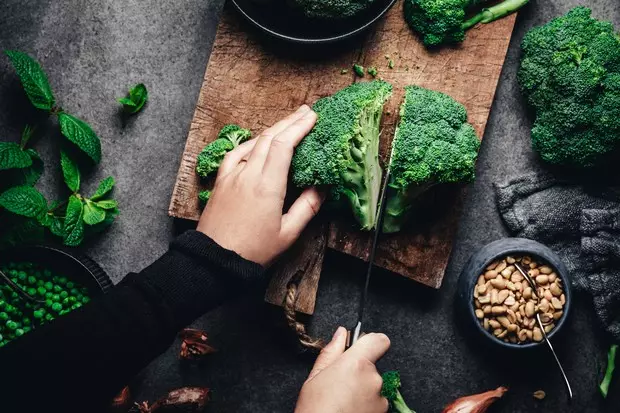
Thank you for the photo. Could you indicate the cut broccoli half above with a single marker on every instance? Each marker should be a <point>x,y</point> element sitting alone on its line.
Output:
<point>391,391</point>
<point>433,144</point>
<point>229,137</point>
<point>342,150</point>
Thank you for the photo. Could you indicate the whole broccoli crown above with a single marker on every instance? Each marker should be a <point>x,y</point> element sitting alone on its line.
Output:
<point>333,148</point>
<point>234,133</point>
<point>209,160</point>
<point>433,142</point>
<point>332,9</point>
<point>391,384</point>
<point>438,21</point>
<point>570,75</point>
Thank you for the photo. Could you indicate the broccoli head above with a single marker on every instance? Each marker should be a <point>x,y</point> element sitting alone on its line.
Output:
<point>570,76</point>
<point>391,391</point>
<point>433,144</point>
<point>445,21</point>
<point>229,137</point>
<point>331,9</point>
<point>342,150</point>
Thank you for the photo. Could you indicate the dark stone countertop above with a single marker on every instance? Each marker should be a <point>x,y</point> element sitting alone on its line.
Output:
<point>93,50</point>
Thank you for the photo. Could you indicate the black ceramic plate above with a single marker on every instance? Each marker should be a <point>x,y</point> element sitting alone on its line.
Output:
<point>282,21</point>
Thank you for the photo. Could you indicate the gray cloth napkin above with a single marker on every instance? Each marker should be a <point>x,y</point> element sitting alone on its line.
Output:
<point>580,224</point>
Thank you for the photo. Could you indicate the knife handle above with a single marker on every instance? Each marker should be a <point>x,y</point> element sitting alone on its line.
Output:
<point>354,334</point>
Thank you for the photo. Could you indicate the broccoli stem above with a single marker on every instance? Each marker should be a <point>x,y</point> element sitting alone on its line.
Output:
<point>611,366</point>
<point>399,405</point>
<point>398,207</point>
<point>490,14</point>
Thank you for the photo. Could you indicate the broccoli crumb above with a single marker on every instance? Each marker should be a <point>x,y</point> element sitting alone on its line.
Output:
<point>372,71</point>
<point>406,68</point>
<point>391,64</point>
<point>387,56</point>
<point>344,71</point>
<point>359,70</point>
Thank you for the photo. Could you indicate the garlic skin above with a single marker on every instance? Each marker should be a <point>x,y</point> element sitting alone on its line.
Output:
<point>476,403</point>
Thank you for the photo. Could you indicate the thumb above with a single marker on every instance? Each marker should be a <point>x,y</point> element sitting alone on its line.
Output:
<point>330,353</point>
<point>370,347</point>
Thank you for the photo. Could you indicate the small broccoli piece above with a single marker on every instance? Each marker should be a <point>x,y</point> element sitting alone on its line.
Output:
<point>391,391</point>
<point>344,71</point>
<point>359,70</point>
<point>203,196</point>
<point>609,371</point>
<point>391,64</point>
<point>433,144</point>
<point>229,137</point>
<point>331,9</point>
<point>372,71</point>
<point>444,21</point>
<point>342,150</point>
<point>570,76</point>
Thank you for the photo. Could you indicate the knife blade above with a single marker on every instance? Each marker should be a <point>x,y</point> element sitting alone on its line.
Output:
<point>355,333</point>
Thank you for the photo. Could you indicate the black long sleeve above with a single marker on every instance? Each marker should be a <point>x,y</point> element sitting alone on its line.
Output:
<point>81,360</point>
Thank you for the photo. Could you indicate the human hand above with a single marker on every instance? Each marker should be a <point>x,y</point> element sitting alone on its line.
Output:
<point>245,214</point>
<point>346,382</point>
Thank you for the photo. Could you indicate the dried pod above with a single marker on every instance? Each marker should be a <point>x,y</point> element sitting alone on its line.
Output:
<point>194,345</point>
<point>477,403</point>
<point>185,399</point>
<point>121,402</point>
<point>539,394</point>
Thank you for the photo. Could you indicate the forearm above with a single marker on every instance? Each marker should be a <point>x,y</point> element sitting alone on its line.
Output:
<point>82,359</point>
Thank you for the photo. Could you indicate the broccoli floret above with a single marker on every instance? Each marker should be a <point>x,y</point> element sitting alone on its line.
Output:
<point>570,76</point>
<point>359,70</point>
<point>229,137</point>
<point>433,145</point>
<point>391,391</point>
<point>444,21</point>
<point>343,148</point>
<point>203,196</point>
<point>372,71</point>
<point>331,9</point>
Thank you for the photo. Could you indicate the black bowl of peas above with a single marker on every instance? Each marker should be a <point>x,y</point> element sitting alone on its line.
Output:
<point>40,283</point>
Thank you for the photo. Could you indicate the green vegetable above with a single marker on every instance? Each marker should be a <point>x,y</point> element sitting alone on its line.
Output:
<point>444,21</point>
<point>342,150</point>
<point>81,134</point>
<point>609,372</point>
<point>359,70</point>
<point>138,95</point>
<point>433,145</point>
<point>34,80</point>
<point>570,75</point>
<point>25,201</point>
<point>74,224</point>
<point>372,71</point>
<point>391,64</point>
<point>229,137</point>
<point>391,391</point>
<point>13,156</point>
<point>70,172</point>
<point>203,196</point>
<point>331,9</point>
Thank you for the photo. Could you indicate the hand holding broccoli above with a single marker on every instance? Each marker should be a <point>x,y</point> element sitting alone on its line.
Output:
<point>245,213</point>
<point>346,382</point>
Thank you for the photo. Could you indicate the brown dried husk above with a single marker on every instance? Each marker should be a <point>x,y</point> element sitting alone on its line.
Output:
<point>185,399</point>
<point>476,403</point>
<point>194,344</point>
<point>122,401</point>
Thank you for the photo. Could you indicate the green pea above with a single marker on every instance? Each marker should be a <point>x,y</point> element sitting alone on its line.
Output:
<point>49,302</point>
<point>10,309</point>
<point>62,280</point>
<point>32,280</point>
<point>74,291</point>
<point>47,273</point>
<point>56,307</point>
<point>41,291</point>
<point>49,317</point>
<point>37,314</point>
<point>64,294</point>
<point>22,276</point>
<point>11,325</point>
<point>85,300</point>
<point>48,285</point>
<point>2,304</point>
<point>19,332</point>
<point>72,299</point>
<point>57,288</point>
<point>25,321</point>
<point>32,291</point>
<point>48,295</point>
<point>70,284</point>
<point>55,297</point>
<point>4,316</point>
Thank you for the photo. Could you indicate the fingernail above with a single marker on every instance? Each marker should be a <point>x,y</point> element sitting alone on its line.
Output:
<point>339,332</point>
<point>303,109</point>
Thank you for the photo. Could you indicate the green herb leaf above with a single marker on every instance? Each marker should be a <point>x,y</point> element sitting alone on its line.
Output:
<point>25,201</point>
<point>31,175</point>
<point>609,372</point>
<point>110,216</point>
<point>107,204</point>
<point>138,96</point>
<point>80,133</point>
<point>104,188</point>
<point>70,172</point>
<point>74,224</point>
<point>56,225</point>
<point>33,80</point>
<point>26,135</point>
<point>22,230</point>
<point>93,214</point>
<point>13,156</point>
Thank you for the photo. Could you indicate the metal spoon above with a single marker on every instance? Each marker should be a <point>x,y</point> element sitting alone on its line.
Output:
<point>542,329</point>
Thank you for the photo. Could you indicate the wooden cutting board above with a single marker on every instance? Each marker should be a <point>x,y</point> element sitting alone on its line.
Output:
<point>253,83</point>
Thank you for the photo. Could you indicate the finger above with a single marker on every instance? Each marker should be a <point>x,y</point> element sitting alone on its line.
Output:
<point>330,353</point>
<point>259,154</point>
<point>370,347</point>
<point>278,161</point>
<point>232,158</point>
<point>300,213</point>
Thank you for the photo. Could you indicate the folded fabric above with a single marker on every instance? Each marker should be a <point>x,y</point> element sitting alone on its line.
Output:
<point>580,224</point>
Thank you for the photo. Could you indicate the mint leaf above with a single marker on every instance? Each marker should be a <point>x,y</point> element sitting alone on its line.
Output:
<point>33,80</point>
<point>104,188</point>
<point>93,214</point>
<point>22,230</point>
<point>56,225</point>
<point>26,135</point>
<point>74,224</point>
<point>80,133</point>
<point>31,175</point>
<point>25,201</point>
<point>138,96</point>
<point>70,172</point>
<point>107,204</point>
<point>110,215</point>
<point>13,156</point>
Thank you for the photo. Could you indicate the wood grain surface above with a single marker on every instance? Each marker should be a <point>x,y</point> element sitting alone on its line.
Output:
<point>254,83</point>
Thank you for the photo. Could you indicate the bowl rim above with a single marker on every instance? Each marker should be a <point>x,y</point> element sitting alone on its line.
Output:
<point>523,249</point>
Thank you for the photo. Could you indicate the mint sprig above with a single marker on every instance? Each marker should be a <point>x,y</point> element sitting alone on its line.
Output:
<point>34,80</point>
<point>138,96</point>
